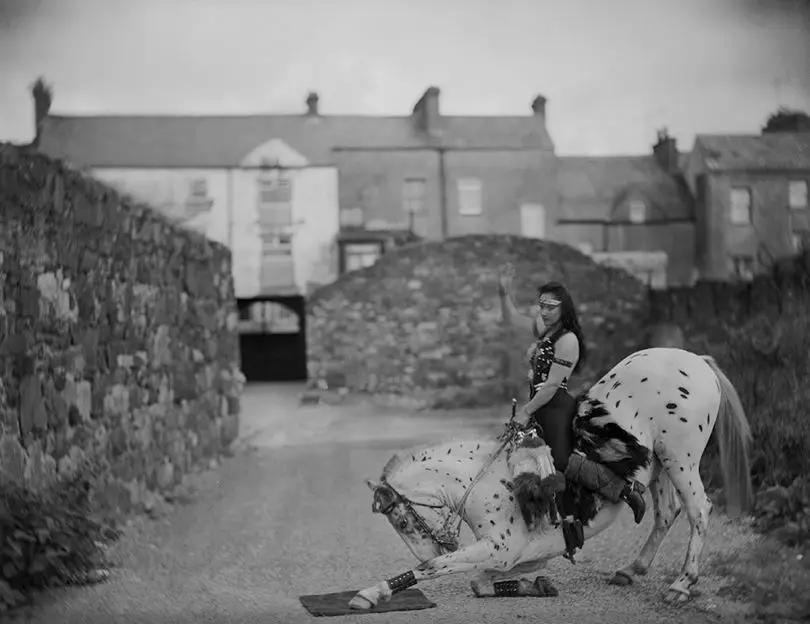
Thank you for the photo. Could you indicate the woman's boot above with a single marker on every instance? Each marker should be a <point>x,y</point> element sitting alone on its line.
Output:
<point>603,480</point>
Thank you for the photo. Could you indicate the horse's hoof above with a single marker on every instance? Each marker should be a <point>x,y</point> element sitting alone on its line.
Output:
<point>675,596</point>
<point>479,591</point>
<point>360,602</point>
<point>544,586</point>
<point>621,578</point>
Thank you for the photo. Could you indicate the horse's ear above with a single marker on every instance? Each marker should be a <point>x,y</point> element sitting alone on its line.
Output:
<point>372,485</point>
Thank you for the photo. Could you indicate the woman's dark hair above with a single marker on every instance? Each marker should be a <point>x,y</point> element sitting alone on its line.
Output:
<point>568,316</point>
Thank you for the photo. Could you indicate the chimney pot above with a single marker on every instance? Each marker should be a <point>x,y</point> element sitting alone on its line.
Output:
<point>42,93</point>
<point>426,113</point>
<point>312,103</point>
<point>539,106</point>
<point>666,152</point>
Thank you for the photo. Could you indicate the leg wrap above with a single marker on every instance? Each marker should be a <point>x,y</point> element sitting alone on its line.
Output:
<point>506,588</point>
<point>403,581</point>
<point>596,477</point>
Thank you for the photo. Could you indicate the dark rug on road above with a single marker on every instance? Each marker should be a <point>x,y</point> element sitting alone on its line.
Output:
<point>338,603</point>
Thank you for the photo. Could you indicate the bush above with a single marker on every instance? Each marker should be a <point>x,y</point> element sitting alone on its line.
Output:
<point>48,539</point>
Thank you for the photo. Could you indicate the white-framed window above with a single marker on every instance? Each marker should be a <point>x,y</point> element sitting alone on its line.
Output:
<point>533,220</point>
<point>413,195</point>
<point>743,267</point>
<point>469,196</point>
<point>276,242</point>
<point>360,255</point>
<point>198,188</point>
<point>637,210</point>
<point>797,194</point>
<point>740,206</point>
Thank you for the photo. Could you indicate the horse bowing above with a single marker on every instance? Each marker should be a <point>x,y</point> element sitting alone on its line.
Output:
<point>666,401</point>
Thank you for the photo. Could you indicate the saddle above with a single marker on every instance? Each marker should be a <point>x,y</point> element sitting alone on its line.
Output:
<point>544,491</point>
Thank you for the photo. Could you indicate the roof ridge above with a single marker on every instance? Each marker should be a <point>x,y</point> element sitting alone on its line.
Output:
<point>303,116</point>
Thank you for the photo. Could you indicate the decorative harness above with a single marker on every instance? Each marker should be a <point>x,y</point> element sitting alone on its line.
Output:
<point>386,497</point>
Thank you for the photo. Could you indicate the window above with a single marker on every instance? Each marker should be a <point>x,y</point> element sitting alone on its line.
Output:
<point>638,211</point>
<point>743,267</point>
<point>469,196</point>
<point>276,242</point>
<point>533,220</point>
<point>740,209</point>
<point>797,194</point>
<point>413,195</point>
<point>198,188</point>
<point>360,255</point>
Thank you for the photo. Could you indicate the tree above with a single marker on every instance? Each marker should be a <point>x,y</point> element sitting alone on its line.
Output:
<point>787,120</point>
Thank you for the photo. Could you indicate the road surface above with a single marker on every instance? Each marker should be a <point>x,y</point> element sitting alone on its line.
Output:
<point>290,515</point>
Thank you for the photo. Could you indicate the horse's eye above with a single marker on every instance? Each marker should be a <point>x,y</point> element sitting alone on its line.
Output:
<point>403,524</point>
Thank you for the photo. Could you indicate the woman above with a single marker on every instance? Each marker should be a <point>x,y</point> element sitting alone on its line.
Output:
<point>559,351</point>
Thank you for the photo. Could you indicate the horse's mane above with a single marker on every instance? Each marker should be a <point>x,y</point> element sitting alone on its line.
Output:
<point>410,455</point>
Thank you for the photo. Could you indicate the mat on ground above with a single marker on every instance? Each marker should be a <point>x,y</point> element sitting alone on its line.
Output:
<point>338,603</point>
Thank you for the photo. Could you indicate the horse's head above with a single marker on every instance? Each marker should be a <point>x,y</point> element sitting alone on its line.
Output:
<point>424,538</point>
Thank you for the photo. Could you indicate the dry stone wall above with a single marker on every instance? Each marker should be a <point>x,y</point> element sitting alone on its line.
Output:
<point>118,336</point>
<point>424,322</point>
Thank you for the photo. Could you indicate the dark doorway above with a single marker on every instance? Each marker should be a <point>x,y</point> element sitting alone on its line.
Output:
<point>272,337</point>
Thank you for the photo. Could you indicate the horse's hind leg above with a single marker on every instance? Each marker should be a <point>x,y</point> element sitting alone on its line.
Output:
<point>666,506</point>
<point>687,481</point>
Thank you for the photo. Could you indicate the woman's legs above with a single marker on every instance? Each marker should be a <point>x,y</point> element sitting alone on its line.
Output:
<point>555,421</point>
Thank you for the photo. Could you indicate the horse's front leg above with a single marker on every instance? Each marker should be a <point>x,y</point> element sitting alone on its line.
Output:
<point>479,556</point>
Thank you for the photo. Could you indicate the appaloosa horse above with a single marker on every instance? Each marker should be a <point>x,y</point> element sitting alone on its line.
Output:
<point>667,400</point>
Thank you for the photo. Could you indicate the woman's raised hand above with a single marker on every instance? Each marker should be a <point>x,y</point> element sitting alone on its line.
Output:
<point>506,274</point>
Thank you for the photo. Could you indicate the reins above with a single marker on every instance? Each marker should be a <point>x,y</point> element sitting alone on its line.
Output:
<point>447,535</point>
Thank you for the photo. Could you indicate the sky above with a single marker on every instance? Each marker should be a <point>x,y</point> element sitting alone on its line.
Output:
<point>613,71</point>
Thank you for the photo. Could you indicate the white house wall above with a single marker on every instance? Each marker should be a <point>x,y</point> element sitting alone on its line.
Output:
<point>232,217</point>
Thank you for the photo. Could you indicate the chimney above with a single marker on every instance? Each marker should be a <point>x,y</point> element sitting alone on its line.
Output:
<point>312,104</point>
<point>539,107</point>
<point>43,97</point>
<point>666,152</point>
<point>426,111</point>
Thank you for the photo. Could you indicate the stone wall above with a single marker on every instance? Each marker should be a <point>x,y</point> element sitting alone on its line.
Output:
<point>425,321</point>
<point>118,336</point>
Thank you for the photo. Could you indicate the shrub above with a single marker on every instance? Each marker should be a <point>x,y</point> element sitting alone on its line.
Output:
<point>48,538</point>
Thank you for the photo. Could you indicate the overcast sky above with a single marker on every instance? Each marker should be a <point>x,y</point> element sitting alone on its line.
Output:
<point>613,71</point>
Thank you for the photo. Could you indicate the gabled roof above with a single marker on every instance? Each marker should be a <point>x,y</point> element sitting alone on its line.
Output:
<point>205,141</point>
<point>775,151</point>
<point>591,188</point>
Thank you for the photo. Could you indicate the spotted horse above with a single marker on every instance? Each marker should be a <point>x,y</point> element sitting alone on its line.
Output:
<point>667,400</point>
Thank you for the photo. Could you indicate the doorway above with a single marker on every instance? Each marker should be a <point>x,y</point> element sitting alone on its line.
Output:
<point>272,338</point>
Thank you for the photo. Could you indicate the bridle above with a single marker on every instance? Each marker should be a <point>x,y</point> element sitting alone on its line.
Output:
<point>386,497</point>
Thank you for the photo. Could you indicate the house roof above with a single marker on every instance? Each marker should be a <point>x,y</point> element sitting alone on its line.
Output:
<point>775,151</point>
<point>205,141</point>
<point>591,188</point>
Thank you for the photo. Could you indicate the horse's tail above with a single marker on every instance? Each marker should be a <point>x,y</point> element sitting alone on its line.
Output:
<point>734,438</point>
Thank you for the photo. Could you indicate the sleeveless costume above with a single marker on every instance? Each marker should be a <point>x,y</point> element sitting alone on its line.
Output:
<point>554,421</point>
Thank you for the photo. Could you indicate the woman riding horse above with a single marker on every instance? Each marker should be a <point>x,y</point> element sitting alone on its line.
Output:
<point>558,351</point>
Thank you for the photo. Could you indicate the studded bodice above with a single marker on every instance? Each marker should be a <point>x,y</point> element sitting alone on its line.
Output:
<point>541,357</point>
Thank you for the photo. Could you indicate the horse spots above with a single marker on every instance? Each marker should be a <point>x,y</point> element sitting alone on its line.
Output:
<point>511,520</point>
<point>682,373</point>
<point>509,532</point>
<point>449,451</point>
<point>635,415</point>
<point>616,384</point>
<point>480,526</point>
<point>511,498</point>
<point>708,418</point>
<point>497,546</point>
<point>683,390</point>
<point>663,430</point>
<point>496,496</point>
<point>413,457</point>
<point>643,379</point>
<point>601,381</point>
<point>682,419</point>
<point>612,375</point>
<point>681,468</point>
<point>700,427</point>
<point>477,446</point>
<point>689,454</point>
<point>617,403</point>
<point>671,406</point>
<point>492,522</point>
<point>424,459</point>
<point>503,537</point>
